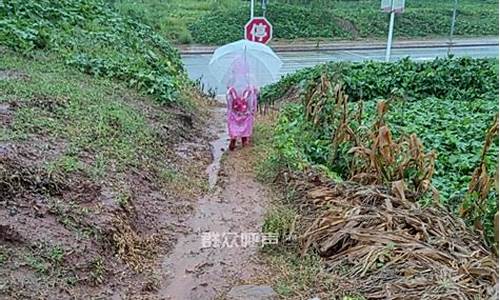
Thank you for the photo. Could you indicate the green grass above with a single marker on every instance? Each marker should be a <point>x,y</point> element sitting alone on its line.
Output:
<point>45,259</point>
<point>279,220</point>
<point>4,254</point>
<point>349,20</point>
<point>37,264</point>
<point>98,270</point>
<point>95,38</point>
<point>295,275</point>
<point>99,122</point>
<point>292,275</point>
<point>88,114</point>
<point>171,18</point>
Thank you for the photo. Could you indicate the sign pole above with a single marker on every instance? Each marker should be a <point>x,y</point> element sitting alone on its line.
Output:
<point>251,9</point>
<point>452,25</point>
<point>389,38</point>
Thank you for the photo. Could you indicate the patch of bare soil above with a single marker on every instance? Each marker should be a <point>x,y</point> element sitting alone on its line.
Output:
<point>70,236</point>
<point>13,75</point>
<point>213,256</point>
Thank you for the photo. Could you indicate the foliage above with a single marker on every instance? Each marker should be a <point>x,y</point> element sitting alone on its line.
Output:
<point>444,78</point>
<point>96,39</point>
<point>220,26</point>
<point>170,18</point>
<point>279,221</point>
<point>447,103</point>
<point>348,20</point>
<point>477,205</point>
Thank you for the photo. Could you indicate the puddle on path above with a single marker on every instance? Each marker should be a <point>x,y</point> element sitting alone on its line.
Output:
<point>235,207</point>
<point>219,146</point>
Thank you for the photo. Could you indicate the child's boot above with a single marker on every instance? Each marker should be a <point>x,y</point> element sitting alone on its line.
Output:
<point>244,141</point>
<point>232,144</point>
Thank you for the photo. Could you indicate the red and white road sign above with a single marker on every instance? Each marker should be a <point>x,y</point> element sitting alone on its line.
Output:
<point>259,30</point>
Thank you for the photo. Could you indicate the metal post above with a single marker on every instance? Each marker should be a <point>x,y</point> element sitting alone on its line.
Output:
<point>450,43</point>
<point>251,9</point>
<point>389,38</point>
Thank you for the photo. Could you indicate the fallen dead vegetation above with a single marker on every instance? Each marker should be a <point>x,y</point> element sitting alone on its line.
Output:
<point>383,246</point>
<point>374,237</point>
<point>131,247</point>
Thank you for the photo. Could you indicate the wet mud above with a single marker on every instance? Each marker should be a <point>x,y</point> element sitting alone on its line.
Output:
<point>215,253</point>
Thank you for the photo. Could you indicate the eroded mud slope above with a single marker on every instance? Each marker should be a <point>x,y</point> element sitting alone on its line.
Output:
<point>95,181</point>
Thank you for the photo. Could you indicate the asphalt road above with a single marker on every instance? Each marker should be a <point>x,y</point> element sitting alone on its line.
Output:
<point>197,64</point>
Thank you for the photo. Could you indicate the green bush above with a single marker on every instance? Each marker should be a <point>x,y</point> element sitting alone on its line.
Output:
<point>444,78</point>
<point>349,20</point>
<point>92,36</point>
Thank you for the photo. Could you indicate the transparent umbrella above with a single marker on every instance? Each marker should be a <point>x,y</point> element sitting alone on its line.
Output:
<point>264,65</point>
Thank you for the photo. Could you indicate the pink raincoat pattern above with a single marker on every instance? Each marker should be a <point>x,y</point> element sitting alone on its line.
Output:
<point>241,109</point>
<point>242,99</point>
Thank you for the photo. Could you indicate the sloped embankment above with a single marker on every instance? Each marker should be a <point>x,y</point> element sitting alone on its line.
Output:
<point>94,182</point>
<point>103,149</point>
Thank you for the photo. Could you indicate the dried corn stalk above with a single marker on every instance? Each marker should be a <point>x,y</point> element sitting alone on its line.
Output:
<point>375,158</point>
<point>381,159</point>
<point>474,205</point>
<point>385,247</point>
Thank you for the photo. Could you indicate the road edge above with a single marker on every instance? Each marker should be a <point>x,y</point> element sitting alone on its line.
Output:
<point>349,45</point>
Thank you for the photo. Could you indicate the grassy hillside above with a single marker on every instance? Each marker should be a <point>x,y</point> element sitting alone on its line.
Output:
<point>93,37</point>
<point>351,20</point>
<point>218,22</point>
<point>171,18</point>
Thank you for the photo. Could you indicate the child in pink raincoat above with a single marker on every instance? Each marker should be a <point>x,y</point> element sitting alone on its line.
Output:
<point>242,100</point>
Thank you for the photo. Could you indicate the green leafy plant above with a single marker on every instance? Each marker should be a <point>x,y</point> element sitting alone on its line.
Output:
<point>347,19</point>
<point>481,201</point>
<point>93,37</point>
<point>447,103</point>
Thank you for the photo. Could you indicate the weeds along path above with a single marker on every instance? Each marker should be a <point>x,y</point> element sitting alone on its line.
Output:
<point>234,205</point>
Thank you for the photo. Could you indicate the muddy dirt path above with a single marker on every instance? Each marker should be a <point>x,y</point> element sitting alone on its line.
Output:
<point>199,267</point>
